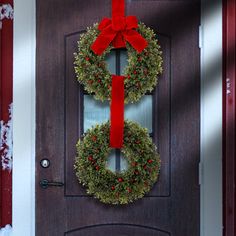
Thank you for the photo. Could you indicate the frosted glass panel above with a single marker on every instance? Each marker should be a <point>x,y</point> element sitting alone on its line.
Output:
<point>122,61</point>
<point>111,162</point>
<point>99,112</point>
<point>111,61</point>
<point>95,112</point>
<point>141,112</point>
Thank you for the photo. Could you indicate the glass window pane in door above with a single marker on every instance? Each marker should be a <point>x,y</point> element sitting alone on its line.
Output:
<point>98,112</point>
<point>111,61</point>
<point>95,112</point>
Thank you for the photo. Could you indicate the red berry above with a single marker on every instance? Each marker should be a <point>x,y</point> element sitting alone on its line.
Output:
<point>150,161</point>
<point>90,158</point>
<point>144,167</point>
<point>99,81</point>
<point>87,58</point>
<point>94,138</point>
<point>128,76</point>
<point>134,163</point>
<point>97,167</point>
<point>140,59</point>
<point>136,172</point>
<point>113,187</point>
<point>135,72</point>
<point>120,180</point>
<point>129,190</point>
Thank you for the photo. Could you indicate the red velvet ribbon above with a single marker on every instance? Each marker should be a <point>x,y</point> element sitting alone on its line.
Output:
<point>117,111</point>
<point>118,30</point>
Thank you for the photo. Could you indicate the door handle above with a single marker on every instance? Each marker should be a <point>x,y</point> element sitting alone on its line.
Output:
<point>45,184</point>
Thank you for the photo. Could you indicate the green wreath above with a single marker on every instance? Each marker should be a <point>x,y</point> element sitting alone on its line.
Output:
<point>141,72</point>
<point>117,187</point>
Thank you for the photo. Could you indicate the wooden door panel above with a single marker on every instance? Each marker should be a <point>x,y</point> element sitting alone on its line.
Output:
<point>92,212</point>
<point>173,206</point>
<point>117,230</point>
<point>161,119</point>
<point>74,118</point>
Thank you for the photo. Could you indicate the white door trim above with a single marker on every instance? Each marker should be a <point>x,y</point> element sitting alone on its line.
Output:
<point>24,118</point>
<point>24,51</point>
<point>211,119</point>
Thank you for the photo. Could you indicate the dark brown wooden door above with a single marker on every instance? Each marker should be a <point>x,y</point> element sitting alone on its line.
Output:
<point>172,207</point>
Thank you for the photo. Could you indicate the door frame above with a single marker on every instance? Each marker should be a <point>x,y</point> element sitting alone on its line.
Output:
<point>24,82</point>
<point>229,115</point>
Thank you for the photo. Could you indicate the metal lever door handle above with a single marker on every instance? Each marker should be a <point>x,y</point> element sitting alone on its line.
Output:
<point>45,184</point>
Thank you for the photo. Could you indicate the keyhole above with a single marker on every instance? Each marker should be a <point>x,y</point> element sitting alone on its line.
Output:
<point>45,163</point>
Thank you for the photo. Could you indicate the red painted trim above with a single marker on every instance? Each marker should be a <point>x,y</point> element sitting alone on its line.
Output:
<point>6,57</point>
<point>229,115</point>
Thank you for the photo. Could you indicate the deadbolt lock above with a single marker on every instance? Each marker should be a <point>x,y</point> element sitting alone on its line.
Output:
<point>45,163</point>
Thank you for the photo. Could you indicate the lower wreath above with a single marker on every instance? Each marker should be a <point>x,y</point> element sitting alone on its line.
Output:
<point>117,187</point>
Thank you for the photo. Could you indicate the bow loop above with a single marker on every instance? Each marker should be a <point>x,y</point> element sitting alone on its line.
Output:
<point>131,22</point>
<point>106,22</point>
<point>118,30</point>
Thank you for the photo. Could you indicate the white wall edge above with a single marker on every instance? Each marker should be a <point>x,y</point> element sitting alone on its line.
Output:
<point>211,118</point>
<point>24,119</point>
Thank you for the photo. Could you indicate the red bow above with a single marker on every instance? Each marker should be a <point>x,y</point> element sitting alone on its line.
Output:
<point>116,31</point>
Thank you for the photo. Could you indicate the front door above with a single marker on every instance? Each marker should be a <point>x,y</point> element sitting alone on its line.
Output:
<point>171,113</point>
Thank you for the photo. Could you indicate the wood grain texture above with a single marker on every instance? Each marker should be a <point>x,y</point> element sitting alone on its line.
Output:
<point>173,206</point>
<point>229,117</point>
<point>117,230</point>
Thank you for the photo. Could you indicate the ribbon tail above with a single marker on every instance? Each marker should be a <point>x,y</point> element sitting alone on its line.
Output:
<point>117,112</point>
<point>102,42</point>
<point>136,40</point>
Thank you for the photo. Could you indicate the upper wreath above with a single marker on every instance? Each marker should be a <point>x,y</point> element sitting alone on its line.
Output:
<point>140,74</point>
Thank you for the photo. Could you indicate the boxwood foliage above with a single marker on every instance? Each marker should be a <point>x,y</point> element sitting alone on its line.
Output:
<point>140,73</point>
<point>117,187</point>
